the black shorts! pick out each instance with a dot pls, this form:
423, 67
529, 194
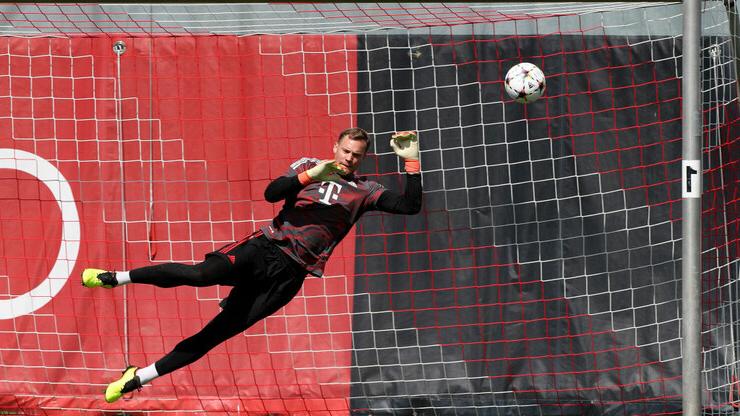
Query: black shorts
264, 278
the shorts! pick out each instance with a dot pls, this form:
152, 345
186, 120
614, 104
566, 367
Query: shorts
264, 278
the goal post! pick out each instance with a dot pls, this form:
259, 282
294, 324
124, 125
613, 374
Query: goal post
543, 275
691, 209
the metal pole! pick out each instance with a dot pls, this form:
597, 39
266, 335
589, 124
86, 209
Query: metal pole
691, 210
119, 48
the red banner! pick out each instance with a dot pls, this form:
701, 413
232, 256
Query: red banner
162, 154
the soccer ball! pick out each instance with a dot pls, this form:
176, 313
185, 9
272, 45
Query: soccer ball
524, 82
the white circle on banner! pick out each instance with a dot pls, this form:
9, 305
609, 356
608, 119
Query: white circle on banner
45, 172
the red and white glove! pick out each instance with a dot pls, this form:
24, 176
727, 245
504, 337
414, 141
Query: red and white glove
406, 146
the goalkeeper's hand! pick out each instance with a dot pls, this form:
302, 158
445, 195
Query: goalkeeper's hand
326, 170
406, 145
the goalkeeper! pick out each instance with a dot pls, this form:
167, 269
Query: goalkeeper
323, 200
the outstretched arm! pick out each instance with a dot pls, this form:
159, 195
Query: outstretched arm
408, 203
406, 145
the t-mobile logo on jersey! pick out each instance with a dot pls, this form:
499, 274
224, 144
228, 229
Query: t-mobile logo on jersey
327, 189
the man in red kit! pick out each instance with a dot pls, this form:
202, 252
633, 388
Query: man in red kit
323, 200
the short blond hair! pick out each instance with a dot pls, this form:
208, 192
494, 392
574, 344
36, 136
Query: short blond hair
355, 133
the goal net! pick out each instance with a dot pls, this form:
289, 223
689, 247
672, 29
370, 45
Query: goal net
543, 275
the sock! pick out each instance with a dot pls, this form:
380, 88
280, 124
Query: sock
147, 374
123, 278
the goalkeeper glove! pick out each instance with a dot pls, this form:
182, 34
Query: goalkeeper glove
326, 170
406, 145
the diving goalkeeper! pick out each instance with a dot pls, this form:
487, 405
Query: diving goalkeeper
323, 200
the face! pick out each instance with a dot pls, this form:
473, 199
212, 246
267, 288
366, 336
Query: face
349, 153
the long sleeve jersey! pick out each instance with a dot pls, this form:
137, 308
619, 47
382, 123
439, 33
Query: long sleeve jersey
315, 218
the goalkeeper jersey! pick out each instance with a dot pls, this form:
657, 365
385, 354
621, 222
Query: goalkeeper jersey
312, 222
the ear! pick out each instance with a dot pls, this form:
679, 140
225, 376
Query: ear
336, 147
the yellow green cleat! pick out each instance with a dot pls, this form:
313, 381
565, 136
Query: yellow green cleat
127, 383
98, 278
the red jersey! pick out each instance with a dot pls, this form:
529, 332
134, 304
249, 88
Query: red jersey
313, 222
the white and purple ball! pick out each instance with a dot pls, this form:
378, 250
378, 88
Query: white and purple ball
525, 83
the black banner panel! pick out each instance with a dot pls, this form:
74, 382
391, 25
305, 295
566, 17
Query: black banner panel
543, 274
